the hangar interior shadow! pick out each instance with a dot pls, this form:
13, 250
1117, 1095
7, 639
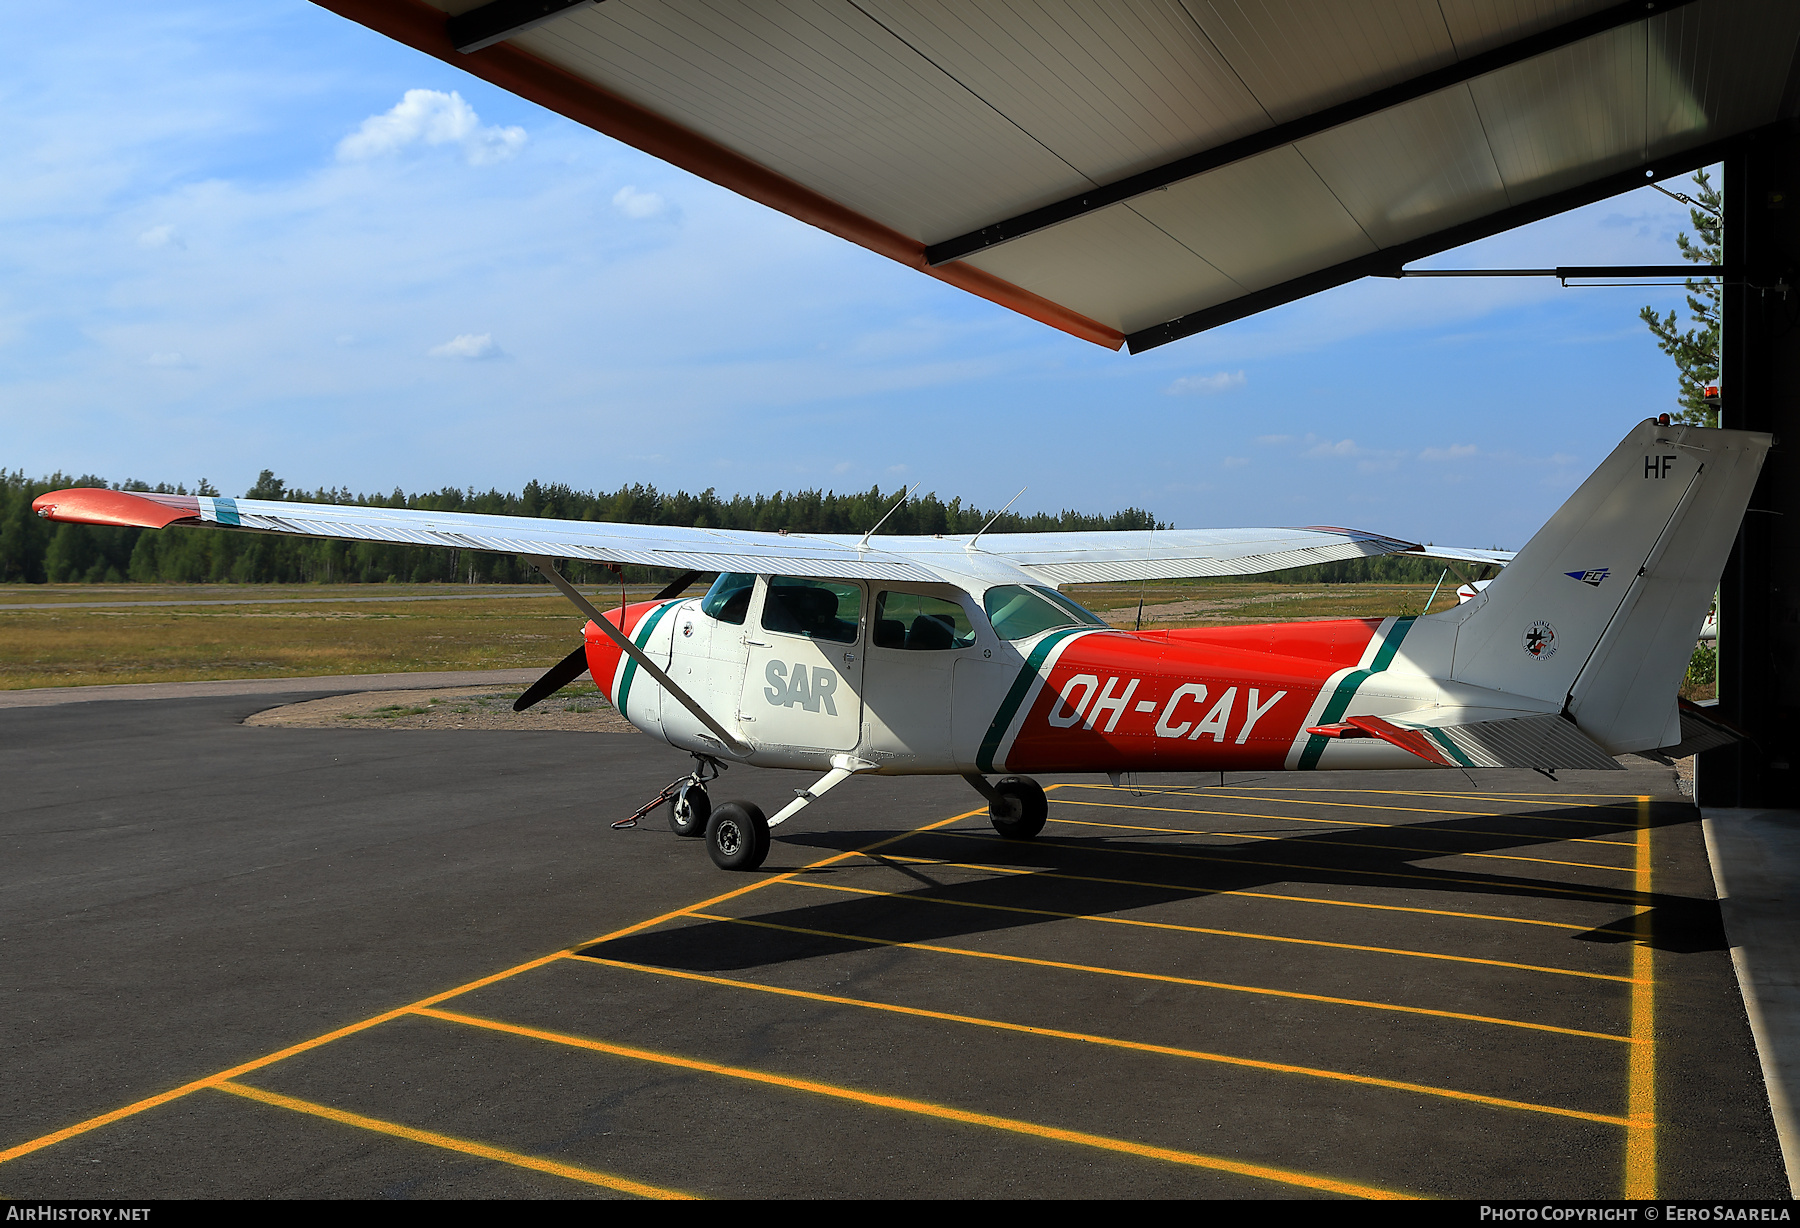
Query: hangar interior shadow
1040, 869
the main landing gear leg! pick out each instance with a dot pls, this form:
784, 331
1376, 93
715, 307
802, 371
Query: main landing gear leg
1017, 806
737, 837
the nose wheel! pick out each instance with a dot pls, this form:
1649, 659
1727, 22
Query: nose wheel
689, 810
737, 836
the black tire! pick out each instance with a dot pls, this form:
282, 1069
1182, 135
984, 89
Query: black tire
737, 836
689, 810
1020, 809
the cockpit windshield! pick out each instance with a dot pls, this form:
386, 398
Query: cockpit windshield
1019, 612
728, 600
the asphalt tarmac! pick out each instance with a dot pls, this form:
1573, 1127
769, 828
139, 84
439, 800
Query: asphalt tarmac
264, 962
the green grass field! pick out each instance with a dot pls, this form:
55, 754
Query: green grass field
290, 629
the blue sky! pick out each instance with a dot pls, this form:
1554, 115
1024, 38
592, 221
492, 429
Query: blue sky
246, 235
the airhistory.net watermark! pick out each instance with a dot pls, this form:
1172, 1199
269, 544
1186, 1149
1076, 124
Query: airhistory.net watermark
46, 1213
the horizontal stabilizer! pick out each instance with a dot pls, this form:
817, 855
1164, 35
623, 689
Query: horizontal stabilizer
1700, 730
1482, 737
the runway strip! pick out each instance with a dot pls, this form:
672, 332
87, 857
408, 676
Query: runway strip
45, 697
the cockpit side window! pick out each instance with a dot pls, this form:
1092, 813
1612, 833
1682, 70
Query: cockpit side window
921, 623
728, 600
817, 609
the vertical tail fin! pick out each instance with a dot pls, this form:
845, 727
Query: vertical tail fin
1600, 611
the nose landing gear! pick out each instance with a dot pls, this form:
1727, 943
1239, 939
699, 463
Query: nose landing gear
689, 810
689, 805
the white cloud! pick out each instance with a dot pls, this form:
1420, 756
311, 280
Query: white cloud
160, 236
1456, 451
1274, 440
1326, 447
169, 358
468, 345
1235, 462
637, 205
1206, 385
431, 117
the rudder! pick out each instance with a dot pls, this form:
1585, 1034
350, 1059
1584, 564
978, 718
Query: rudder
1600, 611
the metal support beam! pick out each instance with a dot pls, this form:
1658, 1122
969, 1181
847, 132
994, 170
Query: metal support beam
1298, 129
1759, 594
1580, 272
501, 19
1388, 261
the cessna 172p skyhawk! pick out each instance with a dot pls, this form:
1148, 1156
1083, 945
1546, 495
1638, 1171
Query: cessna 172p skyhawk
908, 655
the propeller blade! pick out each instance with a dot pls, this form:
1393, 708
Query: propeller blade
678, 585
561, 675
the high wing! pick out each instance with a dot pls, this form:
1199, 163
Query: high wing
1047, 558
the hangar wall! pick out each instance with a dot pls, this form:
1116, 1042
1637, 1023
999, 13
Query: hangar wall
1759, 597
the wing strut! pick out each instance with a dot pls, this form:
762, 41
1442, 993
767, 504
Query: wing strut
617, 636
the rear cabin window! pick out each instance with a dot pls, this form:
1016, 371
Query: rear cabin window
920, 623
728, 600
1018, 612
817, 609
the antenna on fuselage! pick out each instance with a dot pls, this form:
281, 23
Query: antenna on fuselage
864, 543
990, 524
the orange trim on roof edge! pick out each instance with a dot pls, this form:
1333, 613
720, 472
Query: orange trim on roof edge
421, 27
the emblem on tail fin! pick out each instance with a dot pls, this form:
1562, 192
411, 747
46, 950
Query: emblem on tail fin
1593, 575
1540, 641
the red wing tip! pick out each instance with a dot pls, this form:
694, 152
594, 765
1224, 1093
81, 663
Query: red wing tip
117, 508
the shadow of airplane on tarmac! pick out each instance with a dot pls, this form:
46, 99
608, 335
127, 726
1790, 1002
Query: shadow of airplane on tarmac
1382, 857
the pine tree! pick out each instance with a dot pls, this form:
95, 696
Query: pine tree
1696, 351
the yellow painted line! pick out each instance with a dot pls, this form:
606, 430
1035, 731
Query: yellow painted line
150, 1102
445, 1141
1113, 1042
1299, 818
1166, 979
1255, 895
926, 1109
1199, 929
1210, 793
1269, 793
1394, 848
1468, 795
1640, 1096
1523, 886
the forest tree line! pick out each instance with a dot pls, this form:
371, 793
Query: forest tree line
35, 551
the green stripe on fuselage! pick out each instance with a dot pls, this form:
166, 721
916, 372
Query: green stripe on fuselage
642, 638
1346, 691
984, 758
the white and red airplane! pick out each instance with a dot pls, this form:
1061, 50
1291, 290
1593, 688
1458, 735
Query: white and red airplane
957, 655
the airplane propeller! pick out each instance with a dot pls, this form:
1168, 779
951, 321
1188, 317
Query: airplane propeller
574, 665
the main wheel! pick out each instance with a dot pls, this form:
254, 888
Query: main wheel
689, 810
1020, 809
737, 836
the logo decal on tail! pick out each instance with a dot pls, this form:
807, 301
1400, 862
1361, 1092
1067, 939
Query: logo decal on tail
1540, 641
1593, 575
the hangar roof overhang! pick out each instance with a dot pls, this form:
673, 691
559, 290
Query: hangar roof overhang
1136, 171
